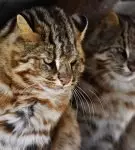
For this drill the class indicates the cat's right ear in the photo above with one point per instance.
(111, 20)
(109, 26)
(105, 31)
(81, 25)
(25, 30)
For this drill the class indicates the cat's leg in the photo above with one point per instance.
(67, 133)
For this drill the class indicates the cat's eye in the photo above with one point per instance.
(123, 53)
(119, 52)
(73, 62)
(49, 65)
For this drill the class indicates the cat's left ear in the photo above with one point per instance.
(81, 25)
(25, 30)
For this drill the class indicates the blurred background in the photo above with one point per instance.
(93, 9)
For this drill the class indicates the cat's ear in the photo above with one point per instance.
(25, 30)
(111, 20)
(104, 31)
(23, 25)
(81, 25)
(110, 27)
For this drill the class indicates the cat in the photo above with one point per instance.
(105, 95)
(41, 60)
(127, 141)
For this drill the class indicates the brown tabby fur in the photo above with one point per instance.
(41, 60)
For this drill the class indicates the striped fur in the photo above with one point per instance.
(106, 93)
(41, 60)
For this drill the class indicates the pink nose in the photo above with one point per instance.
(64, 78)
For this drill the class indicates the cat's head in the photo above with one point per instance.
(110, 55)
(44, 48)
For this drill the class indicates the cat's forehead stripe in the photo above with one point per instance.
(58, 27)
(57, 64)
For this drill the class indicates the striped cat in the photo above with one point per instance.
(41, 60)
(106, 92)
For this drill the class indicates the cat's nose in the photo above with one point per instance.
(131, 66)
(64, 78)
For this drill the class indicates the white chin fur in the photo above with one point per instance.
(123, 78)
(123, 83)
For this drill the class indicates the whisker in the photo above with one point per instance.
(78, 98)
(82, 91)
(83, 109)
(74, 93)
(84, 98)
(94, 91)
(98, 99)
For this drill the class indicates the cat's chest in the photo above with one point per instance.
(31, 118)
(28, 125)
(115, 104)
(119, 98)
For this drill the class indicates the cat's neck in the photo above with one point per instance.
(14, 99)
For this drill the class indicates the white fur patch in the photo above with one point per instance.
(43, 119)
(20, 142)
(57, 64)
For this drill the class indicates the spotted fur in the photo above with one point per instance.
(41, 60)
